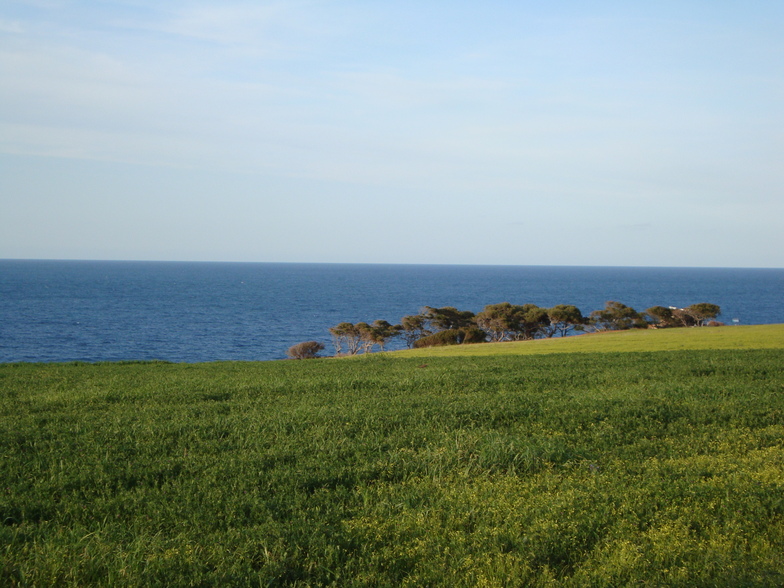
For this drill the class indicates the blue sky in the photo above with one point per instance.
(530, 133)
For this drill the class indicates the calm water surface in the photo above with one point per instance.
(191, 312)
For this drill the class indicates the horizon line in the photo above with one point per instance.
(372, 263)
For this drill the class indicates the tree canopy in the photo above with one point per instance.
(565, 318)
(346, 336)
(696, 315)
(362, 336)
(702, 312)
(616, 316)
(510, 322)
(446, 318)
(412, 328)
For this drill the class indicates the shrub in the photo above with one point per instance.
(473, 335)
(305, 350)
(451, 337)
(448, 337)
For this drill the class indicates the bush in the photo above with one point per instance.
(448, 337)
(305, 350)
(474, 335)
(451, 337)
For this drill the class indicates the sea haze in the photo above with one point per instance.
(192, 312)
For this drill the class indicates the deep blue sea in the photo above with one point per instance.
(193, 312)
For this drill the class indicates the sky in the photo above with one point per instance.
(605, 133)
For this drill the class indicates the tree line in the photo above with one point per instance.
(501, 322)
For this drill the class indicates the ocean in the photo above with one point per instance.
(55, 311)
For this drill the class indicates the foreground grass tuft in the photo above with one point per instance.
(602, 469)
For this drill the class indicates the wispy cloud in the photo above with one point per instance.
(225, 24)
(11, 27)
(583, 114)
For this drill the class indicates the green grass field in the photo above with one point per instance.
(735, 337)
(624, 459)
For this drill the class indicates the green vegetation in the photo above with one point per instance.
(434, 327)
(305, 350)
(460, 336)
(565, 467)
(735, 337)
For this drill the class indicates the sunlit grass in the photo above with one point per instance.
(730, 337)
(657, 468)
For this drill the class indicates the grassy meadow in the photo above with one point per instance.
(735, 337)
(650, 459)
